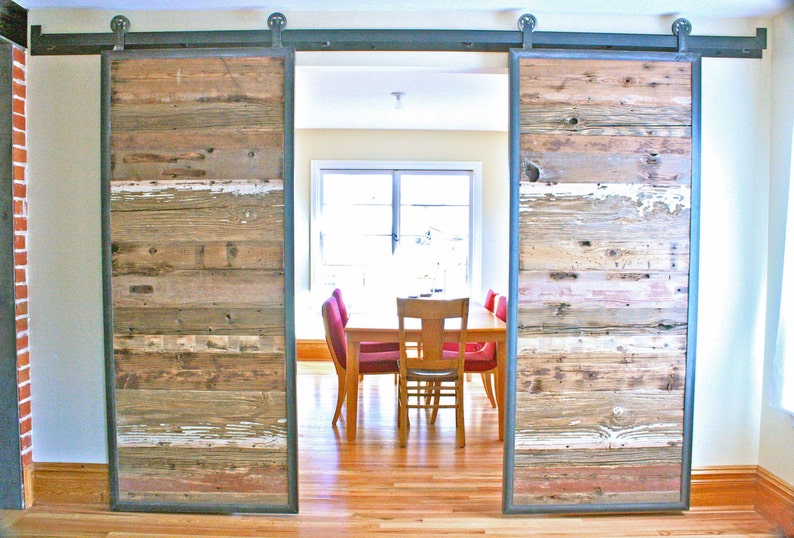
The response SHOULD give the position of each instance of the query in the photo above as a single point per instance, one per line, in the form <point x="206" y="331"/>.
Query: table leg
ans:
<point x="351" y="388"/>
<point x="501" y="375"/>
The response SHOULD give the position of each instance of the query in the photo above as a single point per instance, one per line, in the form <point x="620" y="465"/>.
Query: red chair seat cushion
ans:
<point x="383" y="362"/>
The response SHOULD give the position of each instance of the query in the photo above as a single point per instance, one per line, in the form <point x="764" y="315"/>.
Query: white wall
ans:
<point x="65" y="285"/>
<point x="777" y="428"/>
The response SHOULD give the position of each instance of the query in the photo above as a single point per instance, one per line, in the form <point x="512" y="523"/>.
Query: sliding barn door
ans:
<point x="197" y="160"/>
<point x="604" y="168"/>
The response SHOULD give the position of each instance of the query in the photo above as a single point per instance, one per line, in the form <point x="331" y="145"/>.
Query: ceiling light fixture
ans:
<point x="398" y="103"/>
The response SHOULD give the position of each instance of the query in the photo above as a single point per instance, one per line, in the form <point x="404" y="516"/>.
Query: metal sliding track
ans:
<point x="397" y="40"/>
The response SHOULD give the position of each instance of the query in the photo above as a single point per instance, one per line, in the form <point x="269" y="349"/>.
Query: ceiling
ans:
<point x="700" y="8"/>
<point x="439" y="91"/>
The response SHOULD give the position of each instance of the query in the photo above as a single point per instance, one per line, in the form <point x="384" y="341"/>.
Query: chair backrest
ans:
<point x="335" y="332"/>
<point x="432" y="313"/>
<point x="337" y="294"/>
<point x="490" y="299"/>
<point x="501" y="308"/>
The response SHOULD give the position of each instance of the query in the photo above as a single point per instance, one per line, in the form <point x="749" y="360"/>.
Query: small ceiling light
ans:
<point x="398" y="103"/>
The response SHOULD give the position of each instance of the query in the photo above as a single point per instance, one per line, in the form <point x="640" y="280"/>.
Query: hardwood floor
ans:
<point x="374" y="487"/>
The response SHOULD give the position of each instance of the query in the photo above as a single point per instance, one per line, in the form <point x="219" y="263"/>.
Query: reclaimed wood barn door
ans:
<point x="197" y="232"/>
<point x="604" y="150"/>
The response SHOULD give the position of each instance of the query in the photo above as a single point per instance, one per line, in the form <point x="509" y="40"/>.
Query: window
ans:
<point x="385" y="229"/>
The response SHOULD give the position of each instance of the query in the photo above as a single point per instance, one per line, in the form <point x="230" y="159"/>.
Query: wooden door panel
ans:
<point x="602" y="194"/>
<point x="201" y="366"/>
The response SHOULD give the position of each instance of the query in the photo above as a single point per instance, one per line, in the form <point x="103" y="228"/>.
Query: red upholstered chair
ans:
<point x="483" y="360"/>
<point x="384" y="362"/>
<point x="366" y="347"/>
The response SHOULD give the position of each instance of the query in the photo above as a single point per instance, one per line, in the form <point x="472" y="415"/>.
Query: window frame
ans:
<point x="318" y="167"/>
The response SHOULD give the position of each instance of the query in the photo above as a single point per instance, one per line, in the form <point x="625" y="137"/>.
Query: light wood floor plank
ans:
<point x="374" y="487"/>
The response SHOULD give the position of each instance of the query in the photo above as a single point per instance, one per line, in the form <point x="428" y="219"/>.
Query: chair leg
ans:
<point x="488" y="385"/>
<point x="402" y="419"/>
<point x="340" y="397"/>
<point x="437" y="391"/>
<point x="459" y="424"/>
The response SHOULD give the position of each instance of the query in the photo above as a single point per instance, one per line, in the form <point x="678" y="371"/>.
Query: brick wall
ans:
<point x="20" y="160"/>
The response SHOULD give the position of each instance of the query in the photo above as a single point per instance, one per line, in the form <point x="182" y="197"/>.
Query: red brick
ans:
<point x="19" y="175"/>
<point x="27" y="459"/>
<point x="22" y="325"/>
<point x="25" y="425"/>
<point x="18" y="106"/>
<point x="21" y="291"/>
<point x="19" y="73"/>
<point x="23" y="360"/>
<point x="19" y="90"/>
<point x="19" y="55"/>
<point x="18" y="138"/>
<point x="21" y="308"/>
<point x="20" y="274"/>
<point x="25" y="442"/>
<point x="20" y="224"/>
<point x="20" y="258"/>
<point x="24" y="408"/>
<point x="18" y="122"/>
<point x="22" y="342"/>
<point x="23" y="378"/>
<point x="20" y="244"/>
<point x="19" y="155"/>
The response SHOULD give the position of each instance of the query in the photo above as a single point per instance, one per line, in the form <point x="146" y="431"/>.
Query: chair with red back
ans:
<point x="483" y="360"/>
<point x="379" y="362"/>
<point x="366" y="347"/>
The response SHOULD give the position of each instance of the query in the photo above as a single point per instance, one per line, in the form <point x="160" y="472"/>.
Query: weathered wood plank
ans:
<point x="557" y="373"/>
<point x="197" y="79"/>
<point x="616" y="82"/>
<point x="194" y="322"/>
<point x="211" y="288"/>
<point x="199" y="343"/>
<point x="217" y="117"/>
<point x="166" y="256"/>
<point x="223" y="471"/>
<point x="599" y="484"/>
<point x="201" y="419"/>
<point x="210" y="163"/>
<point x="200" y="371"/>
<point x="643" y="344"/>
<point x="541" y="459"/>
<point x="621" y="159"/>
<point x="585" y="213"/>
<point x="661" y="254"/>
<point x="198" y="211"/>
<point x="600" y="420"/>
<point x="604" y="289"/>
<point x="198" y="140"/>
<point x="672" y="121"/>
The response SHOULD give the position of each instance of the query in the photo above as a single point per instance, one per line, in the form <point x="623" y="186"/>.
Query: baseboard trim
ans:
<point x="775" y="500"/>
<point x="313" y="350"/>
<point x="71" y="483"/>
<point x="726" y="486"/>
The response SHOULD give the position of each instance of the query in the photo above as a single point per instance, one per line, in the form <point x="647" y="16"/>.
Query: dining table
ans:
<point x="382" y="326"/>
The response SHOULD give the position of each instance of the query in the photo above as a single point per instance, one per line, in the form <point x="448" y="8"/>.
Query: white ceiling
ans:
<point x="443" y="91"/>
<point x="701" y="8"/>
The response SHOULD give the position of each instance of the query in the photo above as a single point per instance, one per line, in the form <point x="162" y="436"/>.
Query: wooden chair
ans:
<point x="378" y="362"/>
<point x="431" y="371"/>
